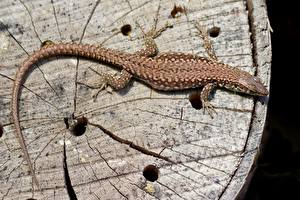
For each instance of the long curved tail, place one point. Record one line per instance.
(50, 50)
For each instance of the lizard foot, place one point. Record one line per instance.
(116, 81)
(105, 87)
(98, 85)
(151, 49)
(209, 108)
(154, 32)
(207, 44)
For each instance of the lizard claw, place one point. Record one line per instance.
(105, 87)
(209, 108)
(102, 87)
(154, 32)
(99, 86)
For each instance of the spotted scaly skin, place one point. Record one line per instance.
(168, 72)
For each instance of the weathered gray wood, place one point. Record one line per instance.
(212, 156)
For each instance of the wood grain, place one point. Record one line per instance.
(211, 158)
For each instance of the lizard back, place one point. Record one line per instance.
(177, 71)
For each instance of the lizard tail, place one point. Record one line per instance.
(19, 135)
(51, 50)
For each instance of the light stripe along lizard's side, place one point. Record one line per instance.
(167, 71)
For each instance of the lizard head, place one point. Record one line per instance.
(252, 85)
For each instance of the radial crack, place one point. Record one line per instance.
(77, 63)
(130, 144)
(68, 183)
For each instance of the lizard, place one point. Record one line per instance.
(166, 72)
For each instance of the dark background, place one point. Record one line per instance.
(278, 170)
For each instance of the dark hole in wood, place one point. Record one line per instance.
(126, 29)
(1, 130)
(151, 172)
(177, 10)
(79, 127)
(66, 120)
(195, 100)
(214, 31)
(70, 189)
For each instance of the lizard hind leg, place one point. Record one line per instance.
(122, 79)
(115, 81)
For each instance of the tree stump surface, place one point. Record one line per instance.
(211, 157)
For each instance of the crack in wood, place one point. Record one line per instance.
(56, 21)
(68, 183)
(119, 191)
(31, 20)
(77, 62)
(171, 190)
(130, 144)
(7, 192)
(40, 152)
(36, 66)
(223, 16)
(131, 10)
(107, 162)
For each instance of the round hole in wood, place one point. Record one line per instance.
(214, 31)
(195, 100)
(79, 127)
(151, 173)
(126, 29)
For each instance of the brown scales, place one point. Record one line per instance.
(168, 71)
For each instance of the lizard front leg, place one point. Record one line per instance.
(206, 91)
(120, 81)
(151, 48)
(206, 42)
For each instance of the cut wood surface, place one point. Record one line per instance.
(205, 158)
